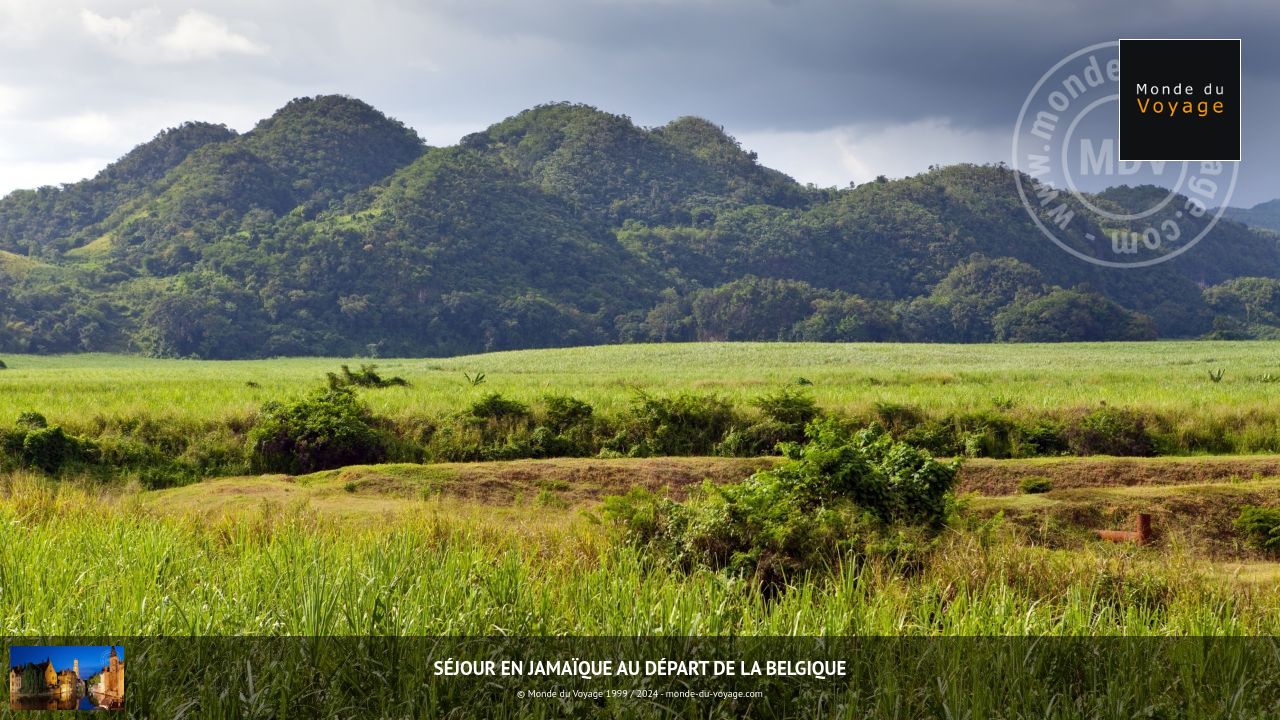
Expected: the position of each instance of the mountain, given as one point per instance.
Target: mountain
(33, 219)
(1263, 215)
(330, 228)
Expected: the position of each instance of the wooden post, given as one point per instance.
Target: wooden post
(1142, 535)
(1144, 528)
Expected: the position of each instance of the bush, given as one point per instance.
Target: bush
(985, 434)
(1260, 527)
(49, 448)
(1043, 436)
(761, 438)
(789, 407)
(898, 417)
(495, 407)
(684, 424)
(32, 420)
(1109, 431)
(11, 446)
(1035, 484)
(366, 377)
(328, 429)
(838, 493)
(549, 499)
(786, 413)
(565, 413)
(3, 366)
(33, 443)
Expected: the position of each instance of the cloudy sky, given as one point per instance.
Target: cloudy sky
(829, 91)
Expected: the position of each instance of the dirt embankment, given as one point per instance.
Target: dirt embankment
(588, 479)
(1001, 477)
(576, 480)
(581, 482)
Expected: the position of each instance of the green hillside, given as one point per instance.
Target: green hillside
(331, 229)
(1263, 215)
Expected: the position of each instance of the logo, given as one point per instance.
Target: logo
(1083, 197)
(1180, 100)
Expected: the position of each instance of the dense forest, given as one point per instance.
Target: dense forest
(332, 229)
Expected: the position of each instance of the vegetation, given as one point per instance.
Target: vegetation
(858, 531)
(439, 569)
(1035, 484)
(366, 377)
(181, 574)
(167, 422)
(1261, 527)
(325, 430)
(836, 496)
(330, 229)
(1263, 215)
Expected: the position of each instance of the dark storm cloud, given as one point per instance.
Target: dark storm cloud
(810, 65)
(89, 79)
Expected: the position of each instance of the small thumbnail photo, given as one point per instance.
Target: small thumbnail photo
(66, 677)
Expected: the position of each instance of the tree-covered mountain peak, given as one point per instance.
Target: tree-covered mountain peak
(330, 145)
(330, 228)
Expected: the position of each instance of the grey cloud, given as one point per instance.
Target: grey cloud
(753, 65)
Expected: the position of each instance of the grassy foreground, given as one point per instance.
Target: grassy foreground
(151, 563)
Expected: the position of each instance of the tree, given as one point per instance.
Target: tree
(1071, 315)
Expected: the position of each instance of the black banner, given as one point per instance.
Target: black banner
(854, 677)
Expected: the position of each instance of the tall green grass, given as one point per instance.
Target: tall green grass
(75, 562)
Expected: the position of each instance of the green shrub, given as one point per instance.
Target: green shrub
(936, 436)
(684, 424)
(1043, 436)
(838, 493)
(785, 415)
(565, 413)
(32, 420)
(984, 434)
(166, 475)
(1035, 484)
(495, 407)
(3, 366)
(1260, 527)
(549, 499)
(11, 446)
(788, 406)
(898, 417)
(762, 438)
(328, 429)
(493, 428)
(49, 448)
(34, 443)
(541, 442)
(1109, 431)
(366, 377)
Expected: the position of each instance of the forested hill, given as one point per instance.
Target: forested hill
(1263, 215)
(331, 229)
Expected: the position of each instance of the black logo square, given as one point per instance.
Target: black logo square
(1179, 100)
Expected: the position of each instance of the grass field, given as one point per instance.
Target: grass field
(519, 547)
(315, 570)
(1170, 377)
(271, 556)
